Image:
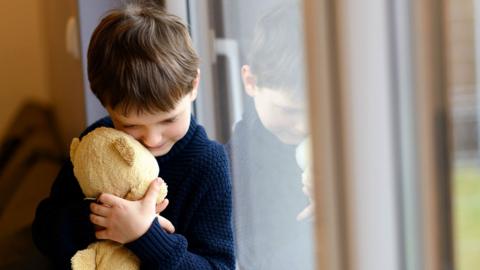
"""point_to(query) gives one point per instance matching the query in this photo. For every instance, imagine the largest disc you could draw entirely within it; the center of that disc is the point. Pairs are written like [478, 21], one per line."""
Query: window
[375, 112]
[463, 51]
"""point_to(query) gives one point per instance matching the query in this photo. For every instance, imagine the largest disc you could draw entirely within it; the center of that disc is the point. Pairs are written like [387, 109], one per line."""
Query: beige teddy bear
[107, 160]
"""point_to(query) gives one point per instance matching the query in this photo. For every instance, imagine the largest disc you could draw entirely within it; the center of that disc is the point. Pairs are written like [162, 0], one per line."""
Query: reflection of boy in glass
[274, 78]
[267, 180]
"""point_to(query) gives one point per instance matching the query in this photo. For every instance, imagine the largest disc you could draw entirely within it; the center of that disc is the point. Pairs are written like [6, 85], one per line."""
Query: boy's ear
[249, 81]
[196, 83]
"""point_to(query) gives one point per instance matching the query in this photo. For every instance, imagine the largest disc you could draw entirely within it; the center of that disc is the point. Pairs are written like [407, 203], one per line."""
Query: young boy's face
[159, 131]
[279, 113]
[282, 116]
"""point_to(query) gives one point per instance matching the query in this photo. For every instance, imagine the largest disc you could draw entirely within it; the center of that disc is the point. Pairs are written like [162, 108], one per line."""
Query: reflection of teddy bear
[110, 161]
[303, 157]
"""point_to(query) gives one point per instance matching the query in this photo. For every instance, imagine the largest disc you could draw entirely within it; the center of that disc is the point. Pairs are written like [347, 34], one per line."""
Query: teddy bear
[107, 160]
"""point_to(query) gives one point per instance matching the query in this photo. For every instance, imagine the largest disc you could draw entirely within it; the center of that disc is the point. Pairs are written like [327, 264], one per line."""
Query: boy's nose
[152, 140]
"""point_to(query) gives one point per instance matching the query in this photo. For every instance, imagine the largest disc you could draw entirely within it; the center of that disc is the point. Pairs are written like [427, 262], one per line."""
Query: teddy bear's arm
[138, 192]
[73, 148]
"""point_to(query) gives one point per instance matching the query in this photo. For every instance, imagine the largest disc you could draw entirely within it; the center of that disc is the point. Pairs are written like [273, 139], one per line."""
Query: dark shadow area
[30, 157]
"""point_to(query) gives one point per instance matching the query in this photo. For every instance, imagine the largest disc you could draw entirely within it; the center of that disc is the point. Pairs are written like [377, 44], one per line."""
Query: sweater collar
[263, 136]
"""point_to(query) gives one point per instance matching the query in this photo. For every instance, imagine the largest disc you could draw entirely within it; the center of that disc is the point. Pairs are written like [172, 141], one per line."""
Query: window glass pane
[259, 92]
[463, 22]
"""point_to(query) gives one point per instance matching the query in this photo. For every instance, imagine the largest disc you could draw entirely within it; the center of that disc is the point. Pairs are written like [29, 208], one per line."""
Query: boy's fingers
[161, 206]
[98, 220]
[166, 224]
[306, 213]
[102, 234]
[109, 199]
[99, 209]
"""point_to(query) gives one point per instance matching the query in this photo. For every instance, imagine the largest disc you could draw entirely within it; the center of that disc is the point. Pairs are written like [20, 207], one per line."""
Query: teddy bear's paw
[84, 260]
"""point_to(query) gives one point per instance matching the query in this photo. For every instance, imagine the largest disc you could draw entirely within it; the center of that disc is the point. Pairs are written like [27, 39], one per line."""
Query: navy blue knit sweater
[267, 193]
[199, 190]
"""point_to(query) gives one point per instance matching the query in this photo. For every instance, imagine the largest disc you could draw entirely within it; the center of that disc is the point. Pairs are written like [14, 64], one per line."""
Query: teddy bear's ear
[73, 148]
[125, 150]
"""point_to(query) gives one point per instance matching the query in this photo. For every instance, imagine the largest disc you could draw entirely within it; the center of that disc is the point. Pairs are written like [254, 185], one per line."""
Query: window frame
[422, 162]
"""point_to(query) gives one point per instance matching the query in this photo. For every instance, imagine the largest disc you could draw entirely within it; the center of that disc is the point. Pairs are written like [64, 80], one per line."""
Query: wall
[66, 80]
[23, 57]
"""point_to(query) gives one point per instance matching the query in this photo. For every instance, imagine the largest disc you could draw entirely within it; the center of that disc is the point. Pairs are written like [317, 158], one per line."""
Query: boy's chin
[290, 139]
[160, 151]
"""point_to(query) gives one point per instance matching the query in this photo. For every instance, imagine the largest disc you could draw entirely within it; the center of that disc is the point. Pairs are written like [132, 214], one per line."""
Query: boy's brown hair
[141, 58]
[276, 56]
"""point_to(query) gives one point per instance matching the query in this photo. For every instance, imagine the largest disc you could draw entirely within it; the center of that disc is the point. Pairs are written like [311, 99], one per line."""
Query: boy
[267, 182]
[142, 67]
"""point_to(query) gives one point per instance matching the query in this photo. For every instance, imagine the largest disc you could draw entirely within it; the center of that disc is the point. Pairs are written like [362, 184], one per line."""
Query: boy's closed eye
[170, 120]
[129, 126]
[166, 121]
[288, 110]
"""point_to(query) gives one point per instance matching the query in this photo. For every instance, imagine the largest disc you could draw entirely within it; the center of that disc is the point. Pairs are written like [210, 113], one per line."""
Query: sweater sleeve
[61, 225]
[208, 243]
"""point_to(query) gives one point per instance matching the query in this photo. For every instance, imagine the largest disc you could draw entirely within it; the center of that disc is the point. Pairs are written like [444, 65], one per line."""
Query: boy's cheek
[132, 132]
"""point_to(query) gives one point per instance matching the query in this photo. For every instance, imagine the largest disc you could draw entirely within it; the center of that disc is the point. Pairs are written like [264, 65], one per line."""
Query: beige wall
[34, 63]
[66, 80]
[23, 57]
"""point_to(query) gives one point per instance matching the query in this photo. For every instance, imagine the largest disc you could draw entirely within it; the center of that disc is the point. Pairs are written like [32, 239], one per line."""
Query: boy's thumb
[152, 192]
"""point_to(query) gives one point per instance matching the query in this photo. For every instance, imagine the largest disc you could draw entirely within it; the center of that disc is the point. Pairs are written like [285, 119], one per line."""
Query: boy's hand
[125, 221]
[307, 190]
[161, 206]
[166, 224]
